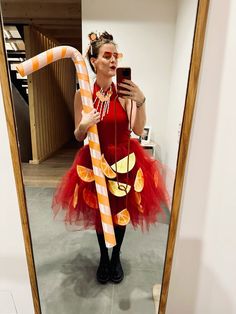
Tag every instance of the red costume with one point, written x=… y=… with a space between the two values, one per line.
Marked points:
x=115 y=142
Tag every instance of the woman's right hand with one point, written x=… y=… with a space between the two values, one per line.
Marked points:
x=91 y=118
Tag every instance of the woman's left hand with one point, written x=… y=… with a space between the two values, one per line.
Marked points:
x=133 y=92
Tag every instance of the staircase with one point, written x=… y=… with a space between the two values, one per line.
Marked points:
x=15 y=48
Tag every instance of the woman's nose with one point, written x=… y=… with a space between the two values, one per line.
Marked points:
x=113 y=58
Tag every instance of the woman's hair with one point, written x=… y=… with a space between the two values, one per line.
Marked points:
x=96 y=42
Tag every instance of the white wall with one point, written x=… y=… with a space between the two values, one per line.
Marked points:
x=186 y=17
x=15 y=292
x=203 y=275
x=144 y=31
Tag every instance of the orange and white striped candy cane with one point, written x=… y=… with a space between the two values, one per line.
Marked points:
x=54 y=54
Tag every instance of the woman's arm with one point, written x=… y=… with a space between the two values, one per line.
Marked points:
x=137 y=117
x=83 y=121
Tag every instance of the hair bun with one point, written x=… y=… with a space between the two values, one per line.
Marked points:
x=106 y=35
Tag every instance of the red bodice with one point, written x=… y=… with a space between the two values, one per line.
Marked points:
x=114 y=124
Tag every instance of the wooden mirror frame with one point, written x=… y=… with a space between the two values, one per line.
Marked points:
x=12 y=134
x=197 y=48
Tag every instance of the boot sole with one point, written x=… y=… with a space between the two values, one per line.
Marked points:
x=102 y=281
x=118 y=280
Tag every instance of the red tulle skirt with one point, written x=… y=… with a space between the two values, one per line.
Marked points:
x=143 y=207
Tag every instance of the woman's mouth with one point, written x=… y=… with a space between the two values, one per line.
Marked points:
x=113 y=67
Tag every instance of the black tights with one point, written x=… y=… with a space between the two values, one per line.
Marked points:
x=119 y=233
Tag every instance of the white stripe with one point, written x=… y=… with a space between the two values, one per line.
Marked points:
x=87 y=101
x=79 y=57
x=105 y=209
x=95 y=154
x=81 y=68
x=109 y=245
x=43 y=60
x=57 y=50
x=84 y=85
x=107 y=228
x=101 y=190
x=98 y=172
x=57 y=53
x=93 y=137
x=28 y=67
x=70 y=51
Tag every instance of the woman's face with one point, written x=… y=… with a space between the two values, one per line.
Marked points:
x=106 y=62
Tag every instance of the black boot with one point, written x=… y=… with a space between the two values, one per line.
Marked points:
x=117 y=273
x=103 y=271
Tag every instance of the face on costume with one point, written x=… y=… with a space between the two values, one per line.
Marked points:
x=106 y=62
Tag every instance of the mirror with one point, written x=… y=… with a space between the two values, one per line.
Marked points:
x=156 y=39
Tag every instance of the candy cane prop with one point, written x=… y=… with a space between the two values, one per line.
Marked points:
x=61 y=52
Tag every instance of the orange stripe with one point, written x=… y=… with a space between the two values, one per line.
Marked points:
x=21 y=70
x=49 y=56
x=87 y=108
x=110 y=238
x=94 y=145
x=93 y=129
x=35 y=63
x=63 y=52
x=106 y=219
x=80 y=63
x=103 y=199
x=101 y=181
x=82 y=76
x=85 y=93
x=96 y=162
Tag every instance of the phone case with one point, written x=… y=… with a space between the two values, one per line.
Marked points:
x=121 y=74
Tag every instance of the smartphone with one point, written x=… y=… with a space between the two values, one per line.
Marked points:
x=121 y=74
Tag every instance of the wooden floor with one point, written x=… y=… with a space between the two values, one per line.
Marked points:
x=49 y=172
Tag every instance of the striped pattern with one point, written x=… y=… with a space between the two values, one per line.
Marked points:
x=48 y=57
x=51 y=107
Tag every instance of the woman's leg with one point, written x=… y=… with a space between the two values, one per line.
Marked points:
x=103 y=271
x=117 y=273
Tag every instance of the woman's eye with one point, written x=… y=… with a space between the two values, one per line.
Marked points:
x=107 y=56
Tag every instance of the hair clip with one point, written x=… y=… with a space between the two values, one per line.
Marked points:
x=92 y=37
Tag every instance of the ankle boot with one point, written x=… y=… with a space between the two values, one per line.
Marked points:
x=103 y=271
x=116 y=272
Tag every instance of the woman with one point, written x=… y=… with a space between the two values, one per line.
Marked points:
x=136 y=192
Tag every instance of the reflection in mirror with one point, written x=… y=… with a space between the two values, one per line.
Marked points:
x=156 y=41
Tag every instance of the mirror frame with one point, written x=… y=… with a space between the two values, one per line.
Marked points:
x=194 y=70
x=197 y=49
x=15 y=155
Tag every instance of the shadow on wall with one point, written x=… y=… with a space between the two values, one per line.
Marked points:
x=21 y=109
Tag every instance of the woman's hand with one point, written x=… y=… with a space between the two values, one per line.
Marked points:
x=89 y=119
x=133 y=92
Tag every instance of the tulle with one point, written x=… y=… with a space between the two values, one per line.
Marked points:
x=143 y=208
